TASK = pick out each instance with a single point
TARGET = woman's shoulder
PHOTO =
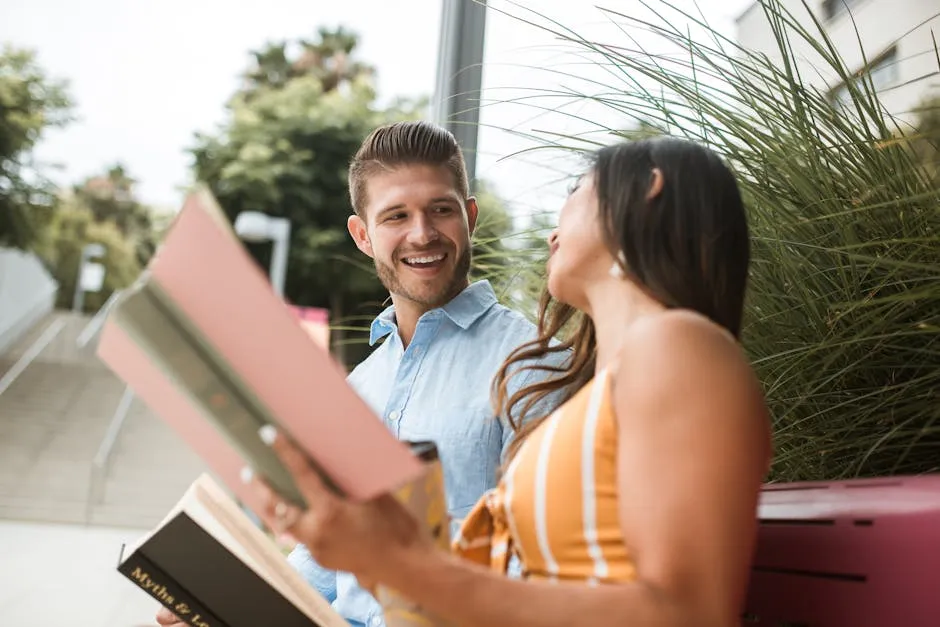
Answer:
(679, 370)
(685, 352)
(679, 334)
(678, 323)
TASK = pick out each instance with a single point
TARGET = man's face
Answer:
(416, 227)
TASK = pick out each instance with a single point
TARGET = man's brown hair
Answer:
(402, 144)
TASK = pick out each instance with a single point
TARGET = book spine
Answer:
(150, 578)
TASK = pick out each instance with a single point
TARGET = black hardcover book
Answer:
(211, 566)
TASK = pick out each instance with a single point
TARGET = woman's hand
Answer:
(367, 539)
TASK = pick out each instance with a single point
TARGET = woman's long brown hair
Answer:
(688, 247)
(563, 381)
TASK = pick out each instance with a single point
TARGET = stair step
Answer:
(52, 422)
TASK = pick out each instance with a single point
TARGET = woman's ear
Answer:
(656, 184)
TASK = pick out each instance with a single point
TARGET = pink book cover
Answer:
(132, 365)
(208, 274)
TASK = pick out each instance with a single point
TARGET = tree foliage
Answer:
(111, 198)
(72, 227)
(30, 104)
(328, 58)
(102, 210)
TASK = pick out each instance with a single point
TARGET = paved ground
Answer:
(64, 575)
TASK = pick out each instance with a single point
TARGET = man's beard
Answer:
(448, 290)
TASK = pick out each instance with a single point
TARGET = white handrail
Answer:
(99, 465)
(114, 428)
(54, 328)
(97, 321)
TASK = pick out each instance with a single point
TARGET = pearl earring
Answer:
(616, 270)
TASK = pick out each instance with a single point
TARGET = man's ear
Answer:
(472, 212)
(360, 234)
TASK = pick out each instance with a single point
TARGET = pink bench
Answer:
(859, 553)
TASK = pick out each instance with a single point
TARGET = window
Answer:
(834, 8)
(883, 73)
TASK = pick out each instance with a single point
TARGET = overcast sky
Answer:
(147, 75)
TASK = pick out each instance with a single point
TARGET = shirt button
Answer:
(375, 621)
(395, 415)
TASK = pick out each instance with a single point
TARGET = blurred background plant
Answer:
(30, 103)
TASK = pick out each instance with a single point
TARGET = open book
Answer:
(204, 341)
(211, 566)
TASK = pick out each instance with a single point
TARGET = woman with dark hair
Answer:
(633, 503)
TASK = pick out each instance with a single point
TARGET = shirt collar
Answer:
(463, 310)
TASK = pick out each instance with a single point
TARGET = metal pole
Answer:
(78, 300)
(280, 228)
(89, 251)
(456, 104)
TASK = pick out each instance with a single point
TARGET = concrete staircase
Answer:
(53, 419)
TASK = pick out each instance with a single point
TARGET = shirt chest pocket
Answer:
(469, 442)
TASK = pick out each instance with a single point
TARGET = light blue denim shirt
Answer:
(438, 388)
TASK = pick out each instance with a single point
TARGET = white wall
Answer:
(27, 293)
(877, 24)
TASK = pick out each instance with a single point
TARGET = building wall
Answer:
(874, 28)
(27, 293)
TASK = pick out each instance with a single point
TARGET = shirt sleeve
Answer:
(322, 579)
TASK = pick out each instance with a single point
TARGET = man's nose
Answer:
(423, 231)
(553, 237)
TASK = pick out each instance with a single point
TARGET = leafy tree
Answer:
(30, 103)
(110, 198)
(490, 239)
(102, 210)
(512, 259)
(71, 228)
(328, 58)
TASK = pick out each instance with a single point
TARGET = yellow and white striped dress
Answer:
(556, 505)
